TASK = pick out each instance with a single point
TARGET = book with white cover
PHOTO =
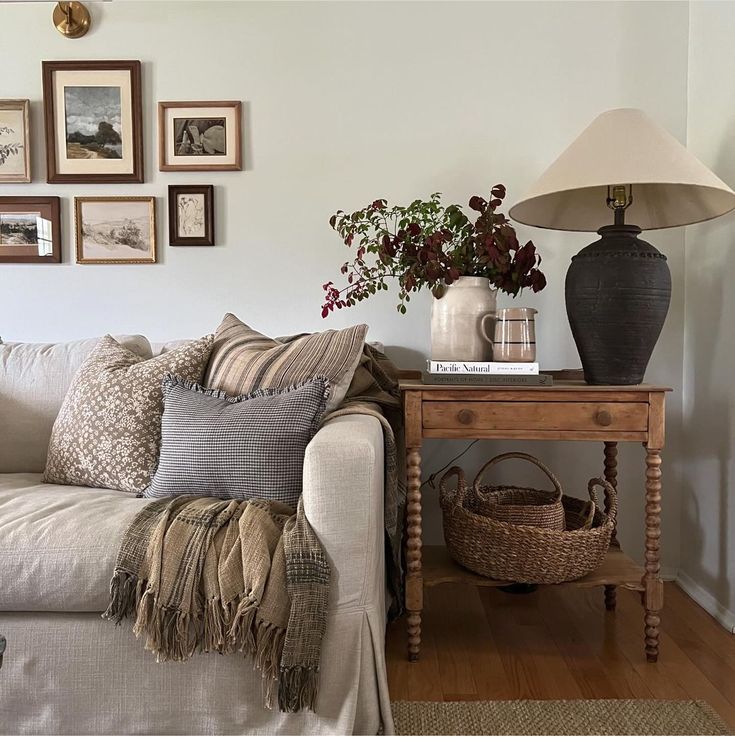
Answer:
(482, 367)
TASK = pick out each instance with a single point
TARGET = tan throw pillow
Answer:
(244, 360)
(108, 431)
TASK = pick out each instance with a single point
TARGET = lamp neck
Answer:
(619, 229)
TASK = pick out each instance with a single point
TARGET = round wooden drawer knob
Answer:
(465, 416)
(603, 418)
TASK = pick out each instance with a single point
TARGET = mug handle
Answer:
(482, 326)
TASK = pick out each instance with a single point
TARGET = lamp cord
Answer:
(431, 481)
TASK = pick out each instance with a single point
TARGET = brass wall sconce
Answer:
(72, 19)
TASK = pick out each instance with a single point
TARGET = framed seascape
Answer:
(30, 229)
(197, 136)
(15, 149)
(115, 229)
(93, 119)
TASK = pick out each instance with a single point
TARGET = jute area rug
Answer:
(559, 718)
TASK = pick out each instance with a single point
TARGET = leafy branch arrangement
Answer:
(427, 244)
(8, 149)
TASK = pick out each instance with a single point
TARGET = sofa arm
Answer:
(343, 501)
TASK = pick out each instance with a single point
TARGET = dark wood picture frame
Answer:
(174, 238)
(54, 176)
(164, 106)
(50, 208)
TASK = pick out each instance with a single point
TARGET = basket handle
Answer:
(520, 456)
(610, 494)
(444, 499)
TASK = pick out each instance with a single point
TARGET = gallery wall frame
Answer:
(15, 145)
(191, 215)
(199, 136)
(79, 95)
(117, 229)
(30, 229)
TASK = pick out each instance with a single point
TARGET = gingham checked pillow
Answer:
(236, 448)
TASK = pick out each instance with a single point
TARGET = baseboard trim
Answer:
(708, 602)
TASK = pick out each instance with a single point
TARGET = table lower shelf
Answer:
(617, 569)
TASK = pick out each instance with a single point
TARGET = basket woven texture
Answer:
(524, 553)
(517, 504)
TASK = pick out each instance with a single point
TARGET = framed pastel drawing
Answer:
(199, 136)
(191, 215)
(15, 150)
(30, 229)
(115, 229)
(94, 125)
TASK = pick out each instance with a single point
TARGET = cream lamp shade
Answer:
(670, 187)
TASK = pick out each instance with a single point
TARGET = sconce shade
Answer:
(671, 187)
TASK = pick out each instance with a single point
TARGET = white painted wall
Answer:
(346, 102)
(708, 487)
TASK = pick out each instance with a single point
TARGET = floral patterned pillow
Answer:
(108, 431)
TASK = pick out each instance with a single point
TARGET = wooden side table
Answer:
(566, 411)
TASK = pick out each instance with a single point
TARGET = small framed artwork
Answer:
(94, 121)
(30, 230)
(115, 229)
(191, 215)
(199, 136)
(15, 151)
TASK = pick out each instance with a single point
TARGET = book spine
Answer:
(482, 368)
(459, 379)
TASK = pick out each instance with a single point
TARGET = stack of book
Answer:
(484, 373)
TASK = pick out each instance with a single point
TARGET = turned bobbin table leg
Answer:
(414, 580)
(611, 475)
(653, 593)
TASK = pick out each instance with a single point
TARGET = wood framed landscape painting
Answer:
(199, 136)
(15, 151)
(115, 229)
(191, 215)
(30, 229)
(94, 126)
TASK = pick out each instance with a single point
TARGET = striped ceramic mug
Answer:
(515, 335)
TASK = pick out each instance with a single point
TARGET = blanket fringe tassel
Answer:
(297, 688)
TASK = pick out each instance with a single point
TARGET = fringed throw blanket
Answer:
(203, 574)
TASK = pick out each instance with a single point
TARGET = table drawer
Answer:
(564, 417)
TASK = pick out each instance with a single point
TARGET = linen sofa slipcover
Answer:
(66, 671)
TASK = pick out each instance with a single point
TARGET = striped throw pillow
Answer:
(236, 448)
(244, 360)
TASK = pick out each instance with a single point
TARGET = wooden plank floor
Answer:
(560, 643)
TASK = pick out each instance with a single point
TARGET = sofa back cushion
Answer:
(34, 378)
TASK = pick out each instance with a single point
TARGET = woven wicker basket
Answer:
(520, 505)
(523, 553)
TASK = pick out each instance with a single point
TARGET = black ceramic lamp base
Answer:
(617, 295)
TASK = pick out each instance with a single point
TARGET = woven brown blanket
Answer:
(204, 574)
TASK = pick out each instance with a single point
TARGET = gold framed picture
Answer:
(15, 149)
(116, 229)
(199, 136)
(94, 121)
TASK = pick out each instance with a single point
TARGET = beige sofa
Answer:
(67, 671)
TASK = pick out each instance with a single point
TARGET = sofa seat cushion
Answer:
(58, 544)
